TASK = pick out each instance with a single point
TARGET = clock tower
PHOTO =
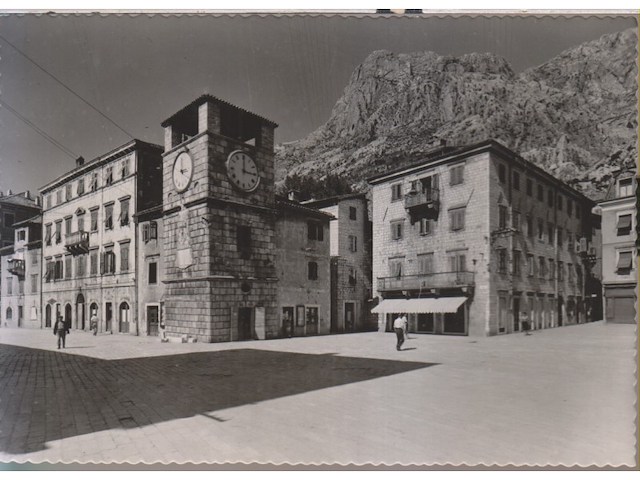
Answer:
(219, 223)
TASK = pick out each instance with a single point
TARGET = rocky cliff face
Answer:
(574, 116)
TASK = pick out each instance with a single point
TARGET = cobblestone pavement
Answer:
(559, 397)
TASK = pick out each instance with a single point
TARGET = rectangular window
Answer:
(395, 267)
(58, 269)
(243, 241)
(315, 231)
(81, 222)
(577, 210)
(67, 192)
(425, 226)
(502, 260)
(58, 231)
(58, 197)
(624, 225)
(542, 267)
(458, 262)
(80, 188)
(108, 216)
(397, 229)
(352, 276)
(456, 219)
(353, 243)
(108, 178)
(124, 257)
(9, 219)
(559, 202)
(560, 271)
(396, 192)
(312, 271)
(93, 182)
(550, 197)
(108, 261)
(569, 207)
(540, 193)
(48, 199)
(515, 220)
(579, 274)
(353, 213)
(570, 272)
(425, 263)
(502, 173)
(516, 180)
(94, 220)
(152, 273)
(530, 231)
(530, 265)
(540, 230)
(517, 256)
(9, 285)
(559, 234)
(22, 235)
(34, 283)
(67, 226)
(456, 174)
(80, 265)
(570, 245)
(502, 217)
(124, 168)
(625, 262)
(550, 233)
(529, 187)
(93, 260)
(34, 258)
(124, 212)
(625, 187)
(552, 269)
(20, 287)
(67, 267)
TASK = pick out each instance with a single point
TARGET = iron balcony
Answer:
(77, 243)
(426, 281)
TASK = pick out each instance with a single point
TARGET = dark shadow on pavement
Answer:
(406, 349)
(46, 395)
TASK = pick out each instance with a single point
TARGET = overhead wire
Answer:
(70, 90)
(38, 130)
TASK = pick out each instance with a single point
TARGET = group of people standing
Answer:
(62, 328)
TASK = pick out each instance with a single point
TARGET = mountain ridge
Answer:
(574, 115)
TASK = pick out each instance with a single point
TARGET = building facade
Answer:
(619, 254)
(468, 240)
(20, 264)
(303, 269)
(350, 238)
(89, 240)
(150, 265)
(219, 224)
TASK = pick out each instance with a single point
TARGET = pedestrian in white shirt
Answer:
(400, 327)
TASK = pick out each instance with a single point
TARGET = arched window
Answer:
(124, 317)
(9, 314)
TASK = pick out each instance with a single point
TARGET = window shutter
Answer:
(102, 259)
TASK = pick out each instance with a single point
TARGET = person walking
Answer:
(93, 323)
(524, 319)
(60, 329)
(400, 326)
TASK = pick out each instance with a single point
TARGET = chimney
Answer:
(27, 194)
(37, 200)
(293, 195)
(79, 161)
(1, 194)
(9, 192)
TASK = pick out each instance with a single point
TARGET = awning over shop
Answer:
(420, 305)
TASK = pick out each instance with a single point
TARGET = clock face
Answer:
(243, 171)
(182, 171)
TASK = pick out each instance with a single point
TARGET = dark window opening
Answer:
(312, 270)
(243, 240)
(315, 231)
(240, 125)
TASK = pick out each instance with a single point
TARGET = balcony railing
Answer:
(426, 281)
(77, 242)
(16, 267)
(421, 203)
